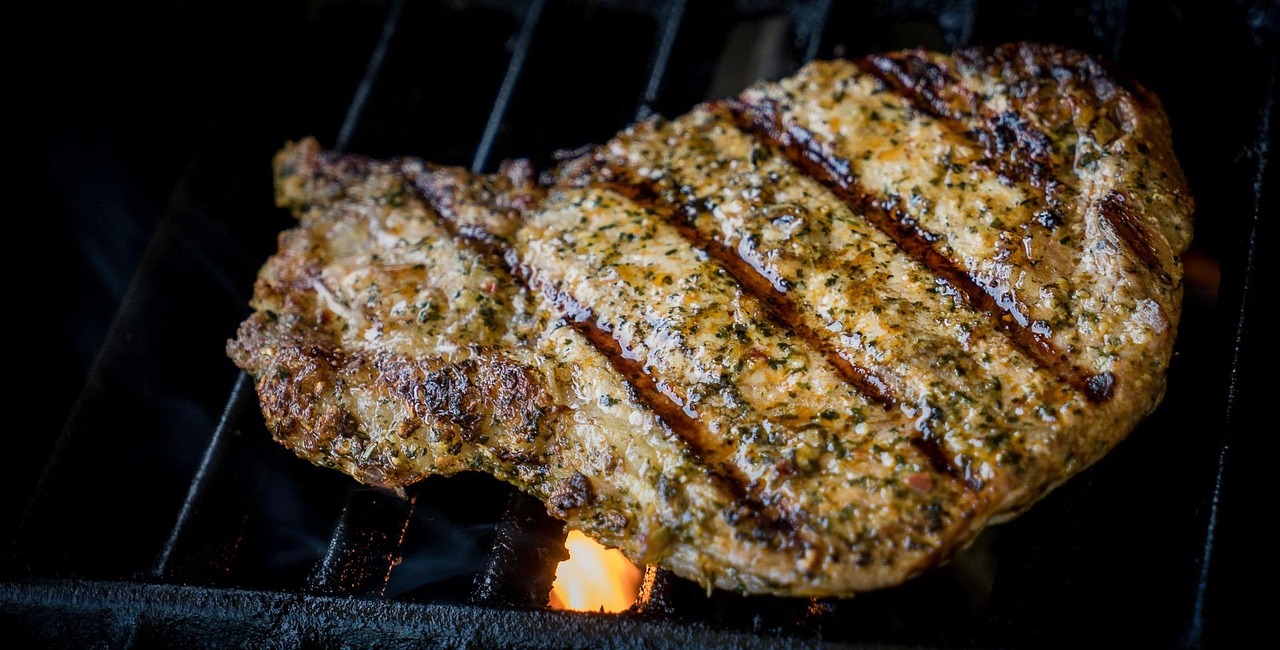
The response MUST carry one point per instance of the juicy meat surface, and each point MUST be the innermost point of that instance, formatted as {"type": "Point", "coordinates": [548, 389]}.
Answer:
{"type": "Point", "coordinates": [809, 340]}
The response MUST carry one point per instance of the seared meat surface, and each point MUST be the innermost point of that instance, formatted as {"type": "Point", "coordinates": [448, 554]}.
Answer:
{"type": "Point", "coordinates": [805, 341]}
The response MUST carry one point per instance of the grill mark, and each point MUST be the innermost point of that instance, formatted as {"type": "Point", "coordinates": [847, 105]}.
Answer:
{"type": "Point", "coordinates": [930, 443]}
{"type": "Point", "coordinates": [770, 514]}
{"type": "Point", "coordinates": [1018, 151]}
{"type": "Point", "coordinates": [777, 305]}
{"type": "Point", "coordinates": [800, 147]}
{"type": "Point", "coordinates": [1011, 146]}
{"type": "Point", "coordinates": [928, 87]}
{"type": "Point", "coordinates": [784, 313]}
{"type": "Point", "coordinates": [1116, 211]}
{"type": "Point", "coordinates": [583, 320]}
{"type": "Point", "coordinates": [942, 462]}
{"type": "Point", "coordinates": [1017, 62]}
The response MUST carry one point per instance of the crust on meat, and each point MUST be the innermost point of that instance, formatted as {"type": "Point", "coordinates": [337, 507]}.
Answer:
{"type": "Point", "coordinates": [806, 341]}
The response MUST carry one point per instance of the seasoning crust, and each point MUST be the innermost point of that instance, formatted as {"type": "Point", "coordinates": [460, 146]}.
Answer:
{"type": "Point", "coordinates": [805, 341]}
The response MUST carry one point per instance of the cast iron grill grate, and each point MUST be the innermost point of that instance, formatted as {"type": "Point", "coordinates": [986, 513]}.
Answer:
{"type": "Point", "coordinates": [136, 536]}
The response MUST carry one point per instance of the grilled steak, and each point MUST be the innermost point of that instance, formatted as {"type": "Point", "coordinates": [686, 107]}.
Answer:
{"type": "Point", "coordinates": [805, 341]}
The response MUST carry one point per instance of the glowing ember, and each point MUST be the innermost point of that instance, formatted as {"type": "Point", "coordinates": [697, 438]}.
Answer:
{"type": "Point", "coordinates": [594, 578]}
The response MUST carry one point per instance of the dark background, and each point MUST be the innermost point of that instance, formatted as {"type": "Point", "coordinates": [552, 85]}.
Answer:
{"type": "Point", "coordinates": [145, 133]}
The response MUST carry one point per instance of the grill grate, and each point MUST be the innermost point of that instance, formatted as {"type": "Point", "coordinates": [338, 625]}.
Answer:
{"type": "Point", "coordinates": [157, 541]}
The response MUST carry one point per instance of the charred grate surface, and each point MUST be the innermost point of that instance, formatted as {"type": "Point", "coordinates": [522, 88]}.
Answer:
{"type": "Point", "coordinates": [164, 515]}
{"type": "Point", "coordinates": [146, 615]}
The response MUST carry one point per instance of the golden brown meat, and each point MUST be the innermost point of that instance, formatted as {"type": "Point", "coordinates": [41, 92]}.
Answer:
{"type": "Point", "coordinates": [805, 341]}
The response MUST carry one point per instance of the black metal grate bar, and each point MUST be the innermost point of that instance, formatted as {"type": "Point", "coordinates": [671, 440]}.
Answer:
{"type": "Point", "coordinates": [654, 598]}
{"type": "Point", "coordinates": [80, 613]}
{"type": "Point", "coordinates": [959, 23]}
{"type": "Point", "coordinates": [241, 397]}
{"type": "Point", "coordinates": [77, 424]}
{"type": "Point", "coordinates": [365, 545]}
{"type": "Point", "coordinates": [671, 20]}
{"type": "Point", "coordinates": [1108, 18]}
{"type": "Point", "coordinates": [71, 496]}
{"type": "Point", "coordinates": [811, 20]}
{"type": "Point", "coordinates": [1239, 349]}
{"type": "Point", "coordinates": [522, 561]}
{"type": "Point", "coordinates": [519, 53]}
{"type": "Point", "coordinates": [356, 109]}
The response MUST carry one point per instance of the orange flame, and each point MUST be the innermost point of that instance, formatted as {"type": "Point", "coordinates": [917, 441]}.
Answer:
{"type": "Point", "coordinates": [594, 578]}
